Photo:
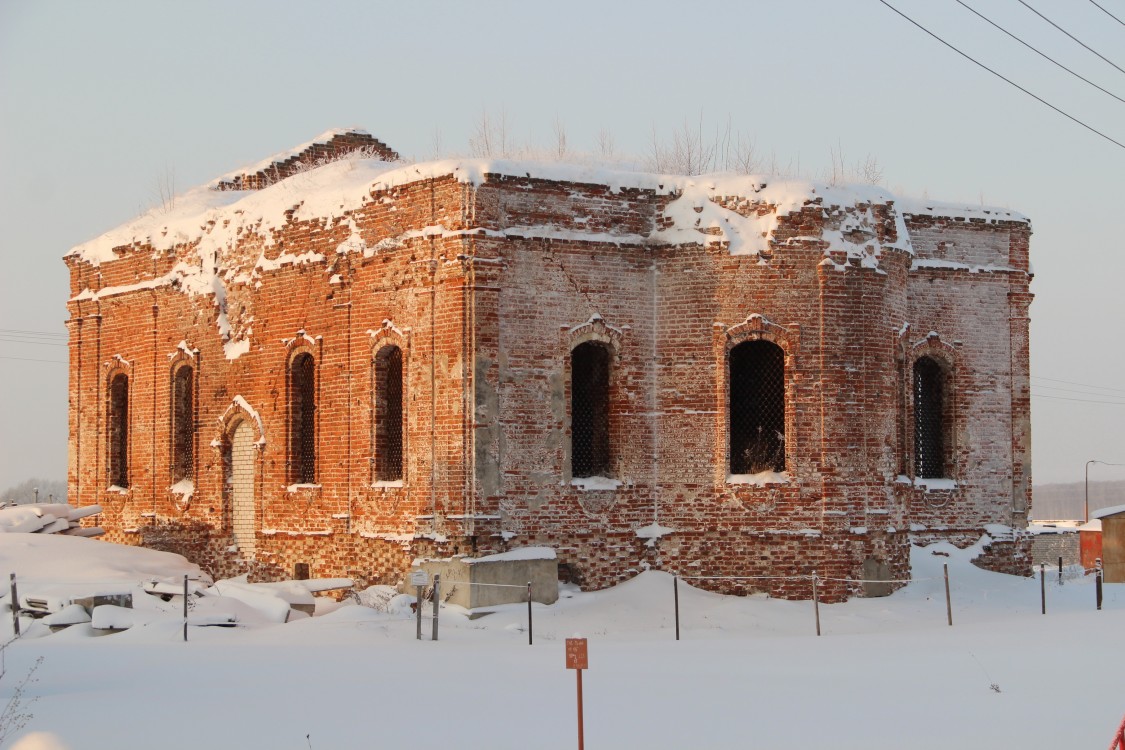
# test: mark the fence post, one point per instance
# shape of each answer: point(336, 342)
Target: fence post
point(948, 604)
point(1098, 581)
point(1043, 586)
point(185, 607)
point(418, 609)
point(816, 603)
point(15, 600)
point(437, 599)
point(1060, 570)
point(529, 625)
point(676, 595)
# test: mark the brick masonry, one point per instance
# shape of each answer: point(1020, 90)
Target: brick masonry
point(487, 285)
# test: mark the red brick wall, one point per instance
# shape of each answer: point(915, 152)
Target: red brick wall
point(486, 310)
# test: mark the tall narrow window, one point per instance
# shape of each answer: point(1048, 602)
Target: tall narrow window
point(118, 431)
point(183, 424)
point(302, 419)
point(929, 419)
point(387, 417)
point(757, 408)
point(589, 410)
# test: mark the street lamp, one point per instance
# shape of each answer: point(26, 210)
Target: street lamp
point(1092, 461)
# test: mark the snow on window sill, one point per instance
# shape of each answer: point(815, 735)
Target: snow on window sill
point(932, 484)
point(594, 484)
point(299, 487)
point(116, 488)
point(388, 483)
point(760, 479)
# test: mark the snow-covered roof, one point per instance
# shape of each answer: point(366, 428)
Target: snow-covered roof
point(1111, 511)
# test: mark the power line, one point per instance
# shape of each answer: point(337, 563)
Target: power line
point(1083, 400)
point(1079, 392)
point(34, 333)
point(1038, 52)
point(1103, 10)
point(32, 359)
point(1010, 82)
point(29, 341)
point(1074, 382)
point(1072, 36)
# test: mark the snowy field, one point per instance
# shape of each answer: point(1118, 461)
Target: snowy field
point(748, 672)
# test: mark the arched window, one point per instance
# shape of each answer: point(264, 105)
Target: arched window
point(386, 415)
point(302, 419)
point(183, 423)
point(589, 410)
point(931, 421)
point(757, 408)
point(117, 432)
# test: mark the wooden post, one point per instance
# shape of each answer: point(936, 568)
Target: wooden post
point(529, 625)
point(185, 607)
point(15, 601)
point(418, 609)
point(948, 604)
point(581, 739)
point(816, 603)
point(1060, 570)
point(676, 594)
point(1043, 586)
point(1098, 582)
point(437, 600)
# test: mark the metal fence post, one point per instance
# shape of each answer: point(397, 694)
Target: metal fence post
point(1043, 586)
point(676, 594)
point(948, 604)
point(816, 603)
point(1098, 581)
point(185, 606)
point(15, 600)
point(437, 599)
point(530, 628)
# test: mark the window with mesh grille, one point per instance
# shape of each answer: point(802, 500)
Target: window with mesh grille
point(302, 419)
point(387, 417)
point(589, 410)
point(118, 431)
point(183, 424)
point(757, 408)
point(929, 419)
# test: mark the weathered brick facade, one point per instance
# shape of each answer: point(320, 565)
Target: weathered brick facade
point(486, 276)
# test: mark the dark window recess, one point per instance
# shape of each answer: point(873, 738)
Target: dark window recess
point(118, 431)
point(589, 410)
point(929, 419)
point(757, 408)
point(388, 414)
point(183, 424)
point(302, 419)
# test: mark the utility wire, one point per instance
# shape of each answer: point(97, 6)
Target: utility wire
point(1084, 385)
point(1083, 400)
point(1010, 82)
point(1072, 36)
point(1079, 392)
point(33, 333)
point(31, 359)
point(1103, 10)
point(972, 10)
point(29, 341)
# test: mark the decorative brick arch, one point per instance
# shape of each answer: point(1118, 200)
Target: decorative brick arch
point(118, 412)
point(595, 329)
point(241, 462)
point(758, 327)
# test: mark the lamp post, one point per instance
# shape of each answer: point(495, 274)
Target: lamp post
point(1093, 461)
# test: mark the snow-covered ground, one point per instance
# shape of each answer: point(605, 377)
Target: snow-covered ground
point(748, 672)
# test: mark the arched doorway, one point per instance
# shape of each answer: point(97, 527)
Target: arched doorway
point(238, 469)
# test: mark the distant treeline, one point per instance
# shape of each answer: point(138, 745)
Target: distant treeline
point(1061, 501)
point(24, 492)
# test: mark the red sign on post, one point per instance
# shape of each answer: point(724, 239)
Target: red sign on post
point(576, 654)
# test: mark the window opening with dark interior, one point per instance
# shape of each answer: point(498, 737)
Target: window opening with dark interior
point(118, 432)
point(302, 419)
point(757, 408)
point(589, 412)
point(387, 417)
point(183, 424)
point(929, 419)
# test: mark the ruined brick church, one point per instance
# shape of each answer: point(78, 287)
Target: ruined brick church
point(335, 362)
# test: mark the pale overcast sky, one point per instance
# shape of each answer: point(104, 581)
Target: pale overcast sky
point(99, 100)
